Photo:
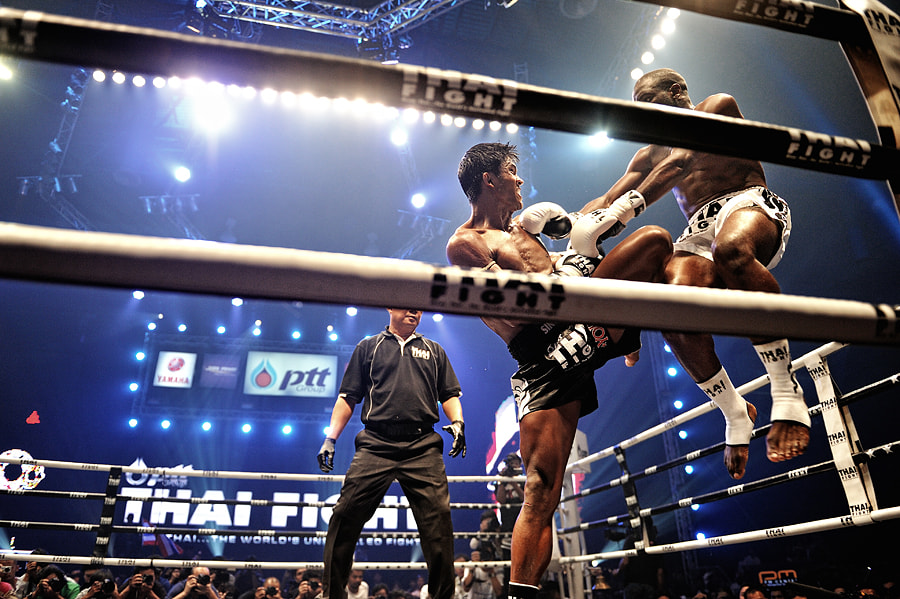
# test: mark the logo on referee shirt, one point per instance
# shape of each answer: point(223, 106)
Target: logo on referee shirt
point(421, 353)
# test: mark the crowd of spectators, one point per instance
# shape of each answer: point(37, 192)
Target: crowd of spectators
point(628, 579)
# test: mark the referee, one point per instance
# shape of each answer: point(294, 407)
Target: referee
point(400, 377)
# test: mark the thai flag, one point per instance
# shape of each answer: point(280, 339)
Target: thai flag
point(165, 543)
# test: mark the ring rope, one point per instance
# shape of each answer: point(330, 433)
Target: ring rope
point(262, 532)
point(776, 479)
point(817, 20)
point(266, 476)
point(219, 564)
point(141, 262)
point(803, 361)
point(789, 530)
point(815, 410)
point(67, 40)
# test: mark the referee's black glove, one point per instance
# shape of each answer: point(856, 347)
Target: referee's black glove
point(458, 429)
point(326, 456)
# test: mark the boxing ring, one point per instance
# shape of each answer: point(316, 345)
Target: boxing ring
point(105, 259)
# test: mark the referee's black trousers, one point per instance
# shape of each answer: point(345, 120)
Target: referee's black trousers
point(418, 466)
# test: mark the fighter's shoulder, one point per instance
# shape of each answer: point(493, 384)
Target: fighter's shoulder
point(722, 103)
point(470, 246)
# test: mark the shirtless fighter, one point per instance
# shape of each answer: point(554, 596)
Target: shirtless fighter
point(737, 230)
point(554, 385)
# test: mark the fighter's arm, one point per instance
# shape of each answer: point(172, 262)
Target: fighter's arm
point(640, 166)
point(468, 248)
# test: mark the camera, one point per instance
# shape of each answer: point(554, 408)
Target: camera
point(203, 579)
point(56, 584)
point(108, 587)
point(271, 591)
point(5, 569)
point(314, 585)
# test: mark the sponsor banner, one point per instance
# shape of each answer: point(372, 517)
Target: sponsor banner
point(276, 373)
point(220, 371)
point(175, 369)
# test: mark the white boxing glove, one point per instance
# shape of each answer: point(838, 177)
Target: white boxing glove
point(548, 218)
point(589, 231)
point(573, 264)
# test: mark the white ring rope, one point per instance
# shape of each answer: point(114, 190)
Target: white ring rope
point(140, 262)
point(803, 361)
point(67, 40)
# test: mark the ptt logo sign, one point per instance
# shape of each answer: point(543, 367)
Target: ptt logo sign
point(275, 373)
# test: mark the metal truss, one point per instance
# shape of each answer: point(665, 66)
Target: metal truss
point(388, 18)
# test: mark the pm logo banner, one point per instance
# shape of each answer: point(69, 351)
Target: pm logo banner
point(276, 373)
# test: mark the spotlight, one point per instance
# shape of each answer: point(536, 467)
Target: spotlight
point(682, 435)
point(352, 311)
point(257, 331)
point(220, 330)
point(182, 174)
point(237, 302)
point(206, 425)
point(287, 429)
point(151, 326)
point(333, 336)
point(133, 387)
point(672, 371)
point(246, 428)
point(137, 294)
point(165, 424)
point(182, 327)
point(133, 422)
point(99, 76)
point(399, 137)
point(417, 200)
point(678, 404)
point(140, 356)
point(437, 317)
point(689, 469)
point(118, 77)
point(295, 335)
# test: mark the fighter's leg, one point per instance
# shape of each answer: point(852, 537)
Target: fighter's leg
point(642, 256)
point(546, 439)
point(697, 354)
point(747, 241)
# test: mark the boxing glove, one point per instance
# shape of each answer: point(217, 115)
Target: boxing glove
point(548, 218)
point(590, 230)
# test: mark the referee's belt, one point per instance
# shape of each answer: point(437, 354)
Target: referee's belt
point(402, 431)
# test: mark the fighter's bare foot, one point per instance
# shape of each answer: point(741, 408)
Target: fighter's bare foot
point(632, 358)
point(786, 440)
point(736, 456)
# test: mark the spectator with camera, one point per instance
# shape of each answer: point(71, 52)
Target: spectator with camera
point(310, 585)
point(143, 584)
point(52, 583)
point(197, 585)
point(482, 582)
point(101, 584)
point(26, 583)
point(269, 589)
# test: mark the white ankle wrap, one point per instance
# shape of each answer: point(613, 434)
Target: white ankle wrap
point(738, 426)
point(787, 394)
